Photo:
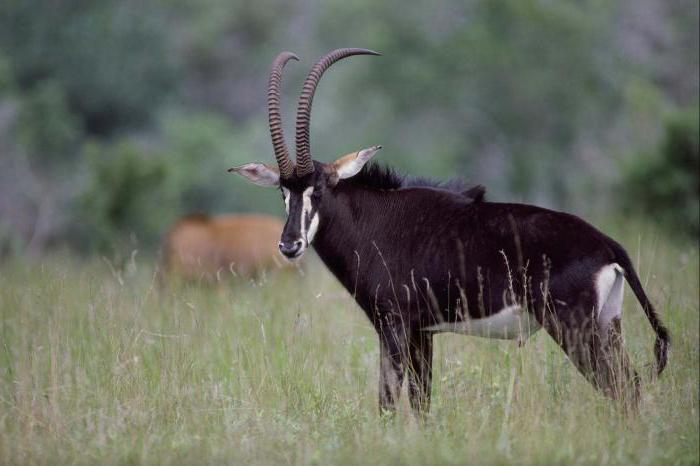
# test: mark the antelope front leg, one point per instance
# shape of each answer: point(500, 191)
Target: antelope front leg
point(420, 372)
point(392, 355)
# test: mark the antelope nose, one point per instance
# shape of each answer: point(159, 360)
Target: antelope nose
point(290, 248)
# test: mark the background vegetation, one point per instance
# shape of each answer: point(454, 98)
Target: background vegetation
point(111, 111)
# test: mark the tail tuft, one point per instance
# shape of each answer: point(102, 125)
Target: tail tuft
point(661, 347)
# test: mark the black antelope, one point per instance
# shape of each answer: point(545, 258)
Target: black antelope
point(209, 249)
point(422, 258)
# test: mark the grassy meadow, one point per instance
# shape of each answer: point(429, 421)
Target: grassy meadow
point(100, 366)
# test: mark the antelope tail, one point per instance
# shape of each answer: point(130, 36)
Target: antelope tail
point(663, 339)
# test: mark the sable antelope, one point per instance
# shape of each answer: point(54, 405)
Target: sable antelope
point(422, 258)
point(199, 247)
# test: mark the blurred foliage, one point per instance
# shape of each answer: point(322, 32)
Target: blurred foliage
point(110, 58)
point(193, 144)
point(517, 77)
point(47, 128)
point(665, 184)
point(127, 195)
point(6, 74)
point(126, 115)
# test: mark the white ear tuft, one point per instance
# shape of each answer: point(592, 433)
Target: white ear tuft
point(259, 173)
point(351, 164)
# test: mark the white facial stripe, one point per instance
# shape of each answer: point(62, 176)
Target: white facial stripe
point(312, 229)
point(285, 192)
point(305, 211)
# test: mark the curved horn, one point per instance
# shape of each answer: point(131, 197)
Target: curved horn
point(275, 118)
point(303, 148)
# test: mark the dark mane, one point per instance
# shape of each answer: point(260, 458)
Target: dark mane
point(376, 176)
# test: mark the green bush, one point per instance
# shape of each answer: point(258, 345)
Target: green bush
point(127, 203)
point(665, 185)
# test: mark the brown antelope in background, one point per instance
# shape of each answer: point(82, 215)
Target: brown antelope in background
point(204, 248)
point(422, 258)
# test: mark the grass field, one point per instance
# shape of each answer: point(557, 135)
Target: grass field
point(99, 367)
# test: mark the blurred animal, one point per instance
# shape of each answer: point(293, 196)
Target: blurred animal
point(210, 248)
point(422, 258)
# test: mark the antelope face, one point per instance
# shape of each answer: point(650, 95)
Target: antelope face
point(304, 195)
point(301, 201)
point(305, 183)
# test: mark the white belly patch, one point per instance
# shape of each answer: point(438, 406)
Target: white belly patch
point(510, 323)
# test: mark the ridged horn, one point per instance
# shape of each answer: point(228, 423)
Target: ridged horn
point(303, 146)
point(274, 116)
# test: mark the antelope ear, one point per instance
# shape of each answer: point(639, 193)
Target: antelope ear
point(259, 173)
point(351, 164)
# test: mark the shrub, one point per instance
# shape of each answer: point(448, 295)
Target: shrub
point(126, 204)
point(665, 184)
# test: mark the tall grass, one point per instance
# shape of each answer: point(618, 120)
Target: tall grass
point(99, 367)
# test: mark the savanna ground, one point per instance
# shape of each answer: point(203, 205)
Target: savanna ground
point(97, 366)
